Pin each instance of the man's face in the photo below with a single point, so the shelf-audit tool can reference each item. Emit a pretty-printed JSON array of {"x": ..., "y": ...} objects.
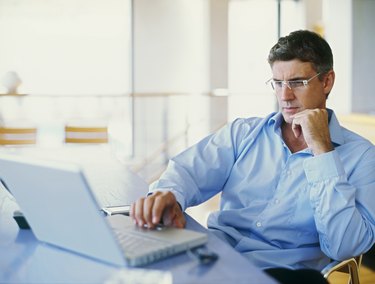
[{"x": 299, "y": 98}]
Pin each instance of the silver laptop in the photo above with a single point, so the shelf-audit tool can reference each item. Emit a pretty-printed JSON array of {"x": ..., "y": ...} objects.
[{"x": 62, "y": 210}]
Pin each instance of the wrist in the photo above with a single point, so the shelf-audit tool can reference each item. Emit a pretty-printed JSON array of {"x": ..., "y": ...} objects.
[{"x": 322, "y": 148}]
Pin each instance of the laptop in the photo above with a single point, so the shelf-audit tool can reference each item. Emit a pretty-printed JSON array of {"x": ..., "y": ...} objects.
[{"x": 62, "y": 210}]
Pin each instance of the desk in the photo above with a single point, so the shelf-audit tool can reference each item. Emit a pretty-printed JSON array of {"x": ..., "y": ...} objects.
[{"x": 25, "y": 260}]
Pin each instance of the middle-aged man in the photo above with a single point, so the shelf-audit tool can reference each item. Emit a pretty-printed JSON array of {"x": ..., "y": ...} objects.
[{"x": 296, "y": 187}]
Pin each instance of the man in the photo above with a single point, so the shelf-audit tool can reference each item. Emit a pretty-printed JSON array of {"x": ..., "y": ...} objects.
[{"x": 296, "y": 188}]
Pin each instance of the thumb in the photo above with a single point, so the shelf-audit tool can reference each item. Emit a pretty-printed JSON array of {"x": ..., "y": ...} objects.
[
  {"x": 179, "y": 220},
  {"x": 174, "y": 217}
]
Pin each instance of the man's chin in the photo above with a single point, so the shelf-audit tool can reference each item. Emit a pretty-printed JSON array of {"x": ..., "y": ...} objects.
[{"x": 287, "y": 118}]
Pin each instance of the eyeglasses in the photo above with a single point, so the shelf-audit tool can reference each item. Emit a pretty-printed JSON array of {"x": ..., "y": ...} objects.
[{"x": 292, "y": 84}]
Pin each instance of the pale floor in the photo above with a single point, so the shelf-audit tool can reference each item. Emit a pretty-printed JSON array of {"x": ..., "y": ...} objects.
[{"x": 200, "y": 213}]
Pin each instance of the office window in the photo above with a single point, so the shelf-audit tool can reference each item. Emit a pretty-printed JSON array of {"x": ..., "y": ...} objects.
[
  {"x": 253, "y": 30},
  {"x": 64, "y": 49}
]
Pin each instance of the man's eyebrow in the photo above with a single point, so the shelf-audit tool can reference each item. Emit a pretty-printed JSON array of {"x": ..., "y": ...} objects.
[{"x": 292, "y": 79}]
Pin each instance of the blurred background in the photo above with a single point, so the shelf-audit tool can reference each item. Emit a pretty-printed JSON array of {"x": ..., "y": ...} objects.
[
  {"x": 159, "y": 75},
  {"x": 148, "y": 78}
]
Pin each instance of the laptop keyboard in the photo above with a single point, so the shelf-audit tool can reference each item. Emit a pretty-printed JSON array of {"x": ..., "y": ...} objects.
[
  {"x": 140, "y": 250},
  {"x": 137, "y": 244}
]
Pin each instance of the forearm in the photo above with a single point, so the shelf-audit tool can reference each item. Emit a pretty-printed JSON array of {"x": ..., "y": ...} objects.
[
  {"x": 174, "y": 179},
  {"x": 343, "y": 212},
  {"x": 201, "y": 171},
  {"x": 191, "y": 184}
]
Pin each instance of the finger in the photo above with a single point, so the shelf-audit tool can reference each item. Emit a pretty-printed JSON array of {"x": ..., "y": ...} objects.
[
  {"x": 179, "y": 220},
  {"x": 168, "y": 217},
  {"x": 179, "y": 223},
  {"x": 165, "y": 210},
  {"x": 131, "y": 211},
  {"x": 174, "y": 217},
  {"x": 147, "y": 211},
  {"x": 160, "y": 204},
  {"x": 138, "y": 212}
]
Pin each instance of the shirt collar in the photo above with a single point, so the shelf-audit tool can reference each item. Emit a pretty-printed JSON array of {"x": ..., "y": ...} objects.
[
  {"x": 276, "y": 119},
  {"x": 337, "y": 137},
  {"x": 333, "y": 124}
]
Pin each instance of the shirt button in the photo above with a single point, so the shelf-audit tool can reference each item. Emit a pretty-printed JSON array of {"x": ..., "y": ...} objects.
[
  {"x": 277, "y": 201},
  {"x": 258, "y": 224}
]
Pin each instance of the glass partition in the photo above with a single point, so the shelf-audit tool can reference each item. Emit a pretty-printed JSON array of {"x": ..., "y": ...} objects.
[{"x": 74, "y": 62}]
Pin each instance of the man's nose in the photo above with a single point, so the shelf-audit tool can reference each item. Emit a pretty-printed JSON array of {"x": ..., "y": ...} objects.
[{"x": 286, "y": 93}]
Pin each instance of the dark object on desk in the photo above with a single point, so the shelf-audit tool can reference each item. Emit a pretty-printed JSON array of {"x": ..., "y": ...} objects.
[
  {"x": 203, "y": 255},
  {"x": 21, "y": 220},
  {"x": 17, "y": 215}
]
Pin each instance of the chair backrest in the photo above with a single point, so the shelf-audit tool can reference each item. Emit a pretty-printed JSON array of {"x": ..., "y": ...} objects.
[
  {"x": 362, "y": 124},
  {"x": 350, "y": 266},
  {"x": 86, "y": 134},
  {"x": 14, "y": 135}
]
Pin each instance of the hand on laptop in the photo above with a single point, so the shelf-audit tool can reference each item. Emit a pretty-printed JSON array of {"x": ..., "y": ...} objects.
[{"x": 156, "y": 208}]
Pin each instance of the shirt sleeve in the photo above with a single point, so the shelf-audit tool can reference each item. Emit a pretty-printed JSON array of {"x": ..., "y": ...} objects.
[
  {"x": 201, "y": 171},
  {"x": 343, "y": 204}
]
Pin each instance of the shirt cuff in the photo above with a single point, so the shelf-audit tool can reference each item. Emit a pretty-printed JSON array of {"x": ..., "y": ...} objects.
[{"x": 323, "y": 167}]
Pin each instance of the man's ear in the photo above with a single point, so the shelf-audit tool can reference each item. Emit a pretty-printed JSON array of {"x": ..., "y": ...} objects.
[{"x": 328, "y": 81}]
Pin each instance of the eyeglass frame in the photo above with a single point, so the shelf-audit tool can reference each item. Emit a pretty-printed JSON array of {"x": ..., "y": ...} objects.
[{"x": 305, "y": 82}]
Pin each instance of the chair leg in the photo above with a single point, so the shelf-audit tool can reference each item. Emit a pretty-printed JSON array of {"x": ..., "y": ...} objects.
[{"x": 353, "y": 272}]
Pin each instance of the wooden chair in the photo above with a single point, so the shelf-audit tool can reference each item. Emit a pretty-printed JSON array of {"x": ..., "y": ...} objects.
[
  {"x": 350, "y": 266},
  {"x": 86, "y": 133},
  {"x": 17, "y": 135}
]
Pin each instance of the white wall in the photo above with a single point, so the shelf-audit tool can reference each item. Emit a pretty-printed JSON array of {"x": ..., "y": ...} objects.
[
  {"x": 171, "y": 55},
  {"x": 338, "y": 32},
  {"x": 252, "y": 33},
  {"x": 363, "y": 99},
  {"x": 61, "y": 47},
  {"x": 350, "y": 31},
  {"x": 218, "y": 44},
  {"x": 171, "y": 46},
  {"x": 313, "y": 14}
]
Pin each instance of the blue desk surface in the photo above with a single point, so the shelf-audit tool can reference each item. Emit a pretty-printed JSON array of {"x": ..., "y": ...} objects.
[{"x": 23, "y": 259}]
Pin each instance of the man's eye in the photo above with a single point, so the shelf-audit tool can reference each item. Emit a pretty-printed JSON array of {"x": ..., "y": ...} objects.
[
  {"x": 278, "y": 84},
  {"x": 296, "y": 84}
]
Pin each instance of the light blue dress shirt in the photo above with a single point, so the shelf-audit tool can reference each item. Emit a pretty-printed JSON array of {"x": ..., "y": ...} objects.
[{"x": 281, "y": 209}]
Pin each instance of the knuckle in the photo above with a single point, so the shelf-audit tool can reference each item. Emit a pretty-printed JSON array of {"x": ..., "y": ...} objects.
[
  {"x": 147, "y": 201},
  {"x": 157, "y": 193}
]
